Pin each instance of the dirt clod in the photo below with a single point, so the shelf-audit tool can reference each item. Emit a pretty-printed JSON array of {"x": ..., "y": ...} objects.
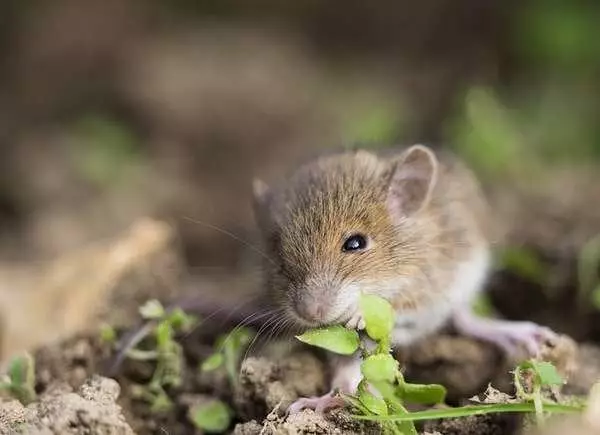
[
  {"x": 265, "y": 384},
  {"x": 462, "y": 365},
  {"x": 491, "y": 424},
  {"x": 90, "y": 410}
]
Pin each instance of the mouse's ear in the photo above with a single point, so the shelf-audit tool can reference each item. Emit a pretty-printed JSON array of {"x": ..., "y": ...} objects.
[
  {"x": 413, "y": 178},
  {"x": 261, "y": 204}
]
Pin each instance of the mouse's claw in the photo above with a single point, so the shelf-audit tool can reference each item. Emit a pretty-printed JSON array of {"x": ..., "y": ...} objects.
[
  {"x": 356, "y": 321},
  {"x": 508, "y": 335},
  {"x": 319, "y": 404}
]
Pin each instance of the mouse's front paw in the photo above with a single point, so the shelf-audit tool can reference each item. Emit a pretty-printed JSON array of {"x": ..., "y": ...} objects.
[
  {"x": 319, "y": 404},
  {"x": 530, "y": 335},
  {"x": 356, "y": 321},
  {"x": 508, "y": 335}
]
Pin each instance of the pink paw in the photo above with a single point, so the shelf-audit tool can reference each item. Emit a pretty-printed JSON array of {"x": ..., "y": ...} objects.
[
  {"x": 318, "y": 403},
  {"x": 528, "y": 334},
  {"x": 356, "y": 321},
  {"x": 506, "y": 334}
]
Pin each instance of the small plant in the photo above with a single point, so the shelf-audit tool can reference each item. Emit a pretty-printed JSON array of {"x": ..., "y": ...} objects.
[
  {"x": 383, "y": 394},
  {"x": 213, "y": 417},
  {"x": 228, "y": 353},
  {"x": 108, "y": 334},
  {"x": 530, "y": 378},
  {"x": 19, "y": 381},
  {"x": 382, "y": 391},
  {"x": 167, "y": 353}
]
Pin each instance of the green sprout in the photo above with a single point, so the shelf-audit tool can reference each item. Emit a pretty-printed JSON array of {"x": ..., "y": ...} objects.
[
  {"x": 336, "y": 339},
  {"x": 166, "y": 352},
  {"x": 213, "y": 417},
  {"x": 228, "y": 353},
  {"x": 108, "y": 334},
  {"x": 19, "y": 380},
  {"x": 383, "y": 393}
]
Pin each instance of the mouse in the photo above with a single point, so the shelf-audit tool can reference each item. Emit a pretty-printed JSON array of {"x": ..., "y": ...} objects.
[{"x": 408, "y": 224}]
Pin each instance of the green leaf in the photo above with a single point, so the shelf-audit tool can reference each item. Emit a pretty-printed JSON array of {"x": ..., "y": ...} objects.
[
  {"x": 378, "y": 315},
  {"x": 108, "y": 334},
  {"x": 380, "y": 367},
  {"x": 17, "y": 370},
  {"x": 429, "y": 394},
  {"x": 152, "y": 309},
  {"x": 214, "y": 417},
  {"x": 388, "y": 392},
  {"x": 180, "y": 320},
  {"x": 161, "y": 403},
  {"x": 212, "y": 362},
  {"x": 375, "y": 405},
  {"x": 164, "y": 335},
  {"x": 546, "y": 372},
  {"x": 336, "y": 339},
  {"x": 404, "y": 427}
]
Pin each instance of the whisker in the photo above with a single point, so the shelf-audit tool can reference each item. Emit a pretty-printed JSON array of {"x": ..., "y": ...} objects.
[
  {"x": 232, "y": 311},
  {"x": 233, "y": 236},
  {"x": 240, "y": 325},
  {"x": 260, "y": 331}
]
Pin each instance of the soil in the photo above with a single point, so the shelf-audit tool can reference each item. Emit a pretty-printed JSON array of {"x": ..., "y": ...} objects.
[
  {"x": 203, "y": 103},
  {"x": 80, "y": 392},
  {"x": 67, "y": 377}
]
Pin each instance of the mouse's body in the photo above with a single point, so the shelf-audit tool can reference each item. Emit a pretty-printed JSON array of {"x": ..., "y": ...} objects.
[{"x": 410, "y": 226}]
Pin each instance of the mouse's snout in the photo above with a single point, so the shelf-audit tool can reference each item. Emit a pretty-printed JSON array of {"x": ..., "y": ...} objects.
[
  {"x": 312, "y": 312},
  {"x": 318, "y": 305}
]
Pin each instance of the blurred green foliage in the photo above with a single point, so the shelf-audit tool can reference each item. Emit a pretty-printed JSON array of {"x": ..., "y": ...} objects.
[
  {"x": 560, "y": 34},
  {"x": 104, "y": 150},
  {"x": 525, "y": 263},
  {"x": 554, "y": 102},
  {"x": 374, "y": 125}
]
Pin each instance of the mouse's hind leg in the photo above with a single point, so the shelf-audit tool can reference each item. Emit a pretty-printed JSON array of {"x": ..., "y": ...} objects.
[
  {"x": 346, "y": 377},
  {"x": 506, "y": 334}
]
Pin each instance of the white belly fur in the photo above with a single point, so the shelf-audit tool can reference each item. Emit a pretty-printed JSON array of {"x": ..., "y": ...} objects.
[{"x": 469, "y": 279}]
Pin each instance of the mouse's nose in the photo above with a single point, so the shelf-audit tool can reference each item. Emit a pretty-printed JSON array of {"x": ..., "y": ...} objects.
[{"x": 313, "y": 311}]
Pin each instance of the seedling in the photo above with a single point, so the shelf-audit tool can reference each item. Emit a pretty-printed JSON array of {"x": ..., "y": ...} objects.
[
  {"x": 537, "y": 375},
  {"x": 108, "y": 334},
  {"x": 228, "y": 353},
  {"x": 19, "y": 381},
  {"x": 383, "y": 394},
  {"x": 167, "y": 353},
  {"x": 382, "y": 391},
  {"x": 213, "y": 417}
]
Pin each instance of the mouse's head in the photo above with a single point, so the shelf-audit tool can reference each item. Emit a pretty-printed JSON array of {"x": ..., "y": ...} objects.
[{"x": 341, "y": 225}]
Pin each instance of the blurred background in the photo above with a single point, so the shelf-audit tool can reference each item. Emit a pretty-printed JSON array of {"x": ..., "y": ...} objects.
[{"x": 116, "y": 110}]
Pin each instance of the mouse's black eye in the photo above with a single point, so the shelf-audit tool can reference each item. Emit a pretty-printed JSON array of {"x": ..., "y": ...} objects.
[{"x": 355, "y": 242}]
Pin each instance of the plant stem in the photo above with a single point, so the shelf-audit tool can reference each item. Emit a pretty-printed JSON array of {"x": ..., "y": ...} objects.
[{"x": 464, "y": 411}]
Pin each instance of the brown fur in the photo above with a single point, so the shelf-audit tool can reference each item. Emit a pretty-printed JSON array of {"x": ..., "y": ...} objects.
[{"x": 306, "y": 221}]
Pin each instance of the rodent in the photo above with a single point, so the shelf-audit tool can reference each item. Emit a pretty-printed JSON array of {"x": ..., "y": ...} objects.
[{"x": 410, "y": 225}]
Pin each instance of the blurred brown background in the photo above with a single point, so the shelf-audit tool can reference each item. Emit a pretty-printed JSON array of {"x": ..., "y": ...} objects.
[{"x": 116, "y": 110}]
